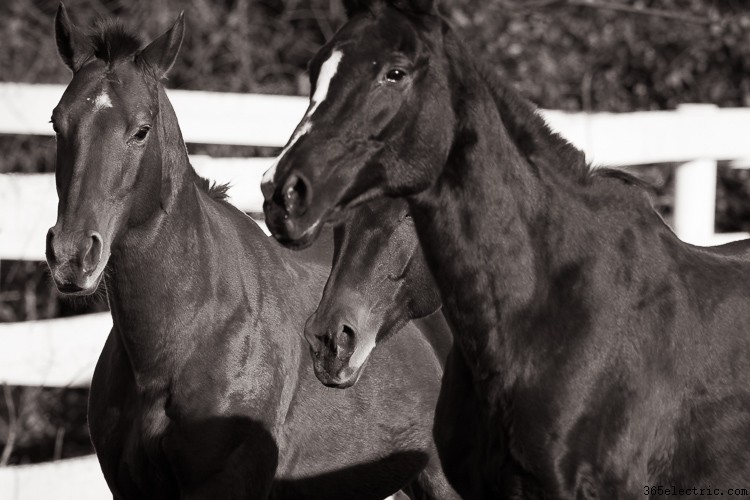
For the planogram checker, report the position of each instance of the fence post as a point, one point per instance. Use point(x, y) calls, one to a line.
point(695, 192)
point(695, 201)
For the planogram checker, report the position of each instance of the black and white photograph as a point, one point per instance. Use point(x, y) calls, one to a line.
point(374, 249)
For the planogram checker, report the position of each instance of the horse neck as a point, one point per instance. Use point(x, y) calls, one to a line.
point(177, 174)
point(163, 271)
point(487, 223)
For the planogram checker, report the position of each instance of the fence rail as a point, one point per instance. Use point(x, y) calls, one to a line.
point(63, 352)
point(29, 201)
point(693, 131)
point(73, 478)
point(698, 135)
point(205, 117)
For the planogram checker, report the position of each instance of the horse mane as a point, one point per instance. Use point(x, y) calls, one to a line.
point(528, 130)
point(215, 190)
point(112, 42)
point(535, 139)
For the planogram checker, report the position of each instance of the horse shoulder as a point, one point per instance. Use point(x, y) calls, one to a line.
point(474, 466)
point(113, 424)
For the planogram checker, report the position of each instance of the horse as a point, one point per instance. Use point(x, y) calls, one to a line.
point(380, 280)
point(203, 389)
point(379, 284)
point(607, 357)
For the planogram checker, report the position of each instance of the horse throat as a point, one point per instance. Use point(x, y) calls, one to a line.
point(176, 173)
point(154, 272)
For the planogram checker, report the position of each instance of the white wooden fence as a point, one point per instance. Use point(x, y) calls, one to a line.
point(62, 352)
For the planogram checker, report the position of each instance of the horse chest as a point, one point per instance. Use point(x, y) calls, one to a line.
point(172, 453)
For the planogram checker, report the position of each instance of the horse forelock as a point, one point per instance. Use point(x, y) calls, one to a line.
point(112, 42)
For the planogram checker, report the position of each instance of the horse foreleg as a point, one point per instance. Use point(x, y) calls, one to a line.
point(455, 429)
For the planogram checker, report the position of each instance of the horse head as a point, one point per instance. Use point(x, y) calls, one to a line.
point(379, 281)
point(109, 145)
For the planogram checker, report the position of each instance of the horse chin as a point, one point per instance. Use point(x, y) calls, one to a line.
point(73, 285)
point(339, 383)
point(293, 233)
point(336, 378)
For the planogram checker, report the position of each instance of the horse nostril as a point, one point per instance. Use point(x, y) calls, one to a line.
point(317, 340)
point(346, 340)
point(296, 194)
point(93, 253)
point(326, 341)
point(50, 250)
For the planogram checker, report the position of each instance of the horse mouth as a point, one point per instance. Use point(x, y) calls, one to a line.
point(77, 287)
point(71, 289)
point(300, 242)
point(336, 382)
point(291, 232)
point(331, 374)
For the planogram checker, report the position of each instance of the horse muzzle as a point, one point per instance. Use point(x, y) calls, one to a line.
point(333, 351)
point(75, 260)
point(333, 371)
point(289, 214)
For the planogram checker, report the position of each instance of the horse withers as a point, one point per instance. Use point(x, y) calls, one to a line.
point(203, 389)
point(606, 354)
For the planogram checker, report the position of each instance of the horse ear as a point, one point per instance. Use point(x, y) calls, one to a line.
point(162, 52)
point(72, 45)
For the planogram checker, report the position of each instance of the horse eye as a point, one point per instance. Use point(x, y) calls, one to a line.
point(395, 75)
point(141, 134)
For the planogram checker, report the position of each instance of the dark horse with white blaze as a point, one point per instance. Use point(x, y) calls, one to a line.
point(607, 356)
point(203, 389)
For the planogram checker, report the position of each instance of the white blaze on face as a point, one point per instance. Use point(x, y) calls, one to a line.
point(102, 101)
point(327, 72)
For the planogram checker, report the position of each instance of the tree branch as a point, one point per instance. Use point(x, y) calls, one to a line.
point(12, 426)
point(647, 11)
point(605, 5)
